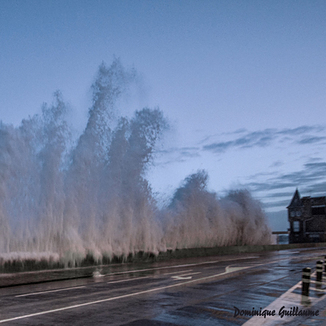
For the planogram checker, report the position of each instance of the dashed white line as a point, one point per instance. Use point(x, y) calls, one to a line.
point(58, 290)
point(190, 274)
point(189, 270)
point(129, 279)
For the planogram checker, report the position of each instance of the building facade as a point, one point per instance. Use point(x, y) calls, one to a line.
point(307, 218)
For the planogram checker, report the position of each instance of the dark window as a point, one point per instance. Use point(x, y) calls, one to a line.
point(318, 210)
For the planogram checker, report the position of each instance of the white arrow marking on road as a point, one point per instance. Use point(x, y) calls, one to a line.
point(184, 276)
point(229, 269)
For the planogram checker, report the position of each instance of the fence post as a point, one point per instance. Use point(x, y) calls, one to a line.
point(306, 281)
point(319, 273)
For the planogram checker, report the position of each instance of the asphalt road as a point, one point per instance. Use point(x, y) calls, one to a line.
point(202, 291)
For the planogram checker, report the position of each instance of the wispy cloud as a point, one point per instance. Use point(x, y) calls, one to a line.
point(311, 180)
point(311, 174)
point(177, 154)
point(276, 164)
point(311, 140)
point(303, 135)
point(301, 130)
point(250, 139)
point(279, 204)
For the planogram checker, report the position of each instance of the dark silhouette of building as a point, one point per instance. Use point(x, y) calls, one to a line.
point(307, 218)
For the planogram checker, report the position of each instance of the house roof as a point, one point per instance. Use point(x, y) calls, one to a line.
point(296, 200)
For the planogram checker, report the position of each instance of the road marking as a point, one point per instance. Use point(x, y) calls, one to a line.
point(319, 290)
point(229, 269)
point(190, 274)
point(129, 279)
point(35, 293)
point(316, 282)
point(110, 299)
point(184, 276)
point(189, 270)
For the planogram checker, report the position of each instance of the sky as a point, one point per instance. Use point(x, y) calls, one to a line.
point(242, 83)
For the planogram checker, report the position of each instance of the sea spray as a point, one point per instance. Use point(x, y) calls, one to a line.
point(198, 218)
point(68, 199)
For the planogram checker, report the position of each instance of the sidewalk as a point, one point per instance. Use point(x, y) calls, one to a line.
point(317, 297)
point(319, 320)
point(293, 301)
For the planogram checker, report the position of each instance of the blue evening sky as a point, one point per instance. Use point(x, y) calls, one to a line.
point(241, 82)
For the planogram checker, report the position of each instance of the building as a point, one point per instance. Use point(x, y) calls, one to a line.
point(307, 218)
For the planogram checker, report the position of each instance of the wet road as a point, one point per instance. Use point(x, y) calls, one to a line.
point(202, 291)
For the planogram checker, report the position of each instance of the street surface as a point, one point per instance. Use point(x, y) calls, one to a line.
point(201, 291)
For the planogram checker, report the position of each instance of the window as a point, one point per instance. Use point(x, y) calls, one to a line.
point(296, 226)
point(318, 210)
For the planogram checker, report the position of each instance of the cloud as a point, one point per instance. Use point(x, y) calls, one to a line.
point(281, 194)
point(319, 188)
point(176, 154)
point(311, 174)
point(311, 181)
point(311, 140)
point(303, 135)
point(301, 130)
point(219, 147)
point(250, 139)
point(279, 204)
point(277, 164)
point(189, 151)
